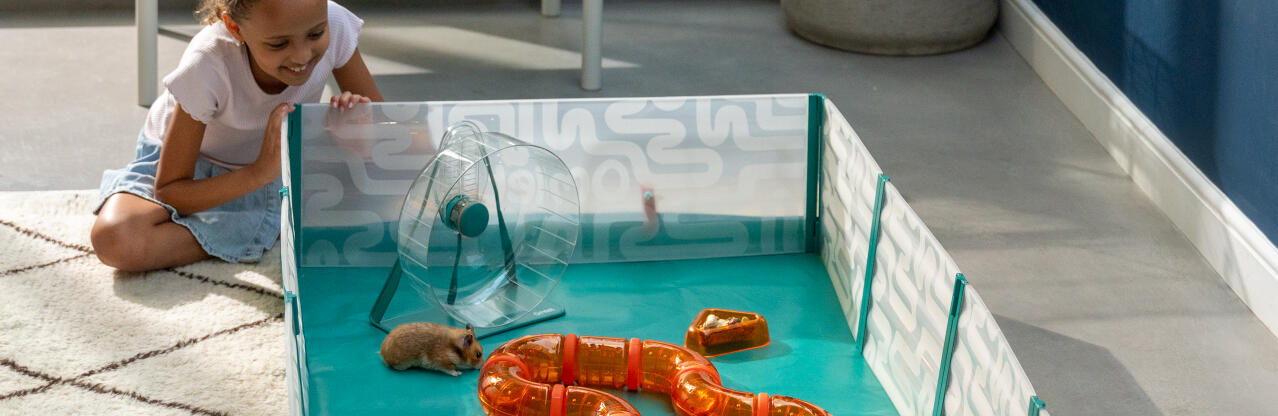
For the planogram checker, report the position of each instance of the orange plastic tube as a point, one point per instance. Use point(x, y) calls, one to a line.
point(533, 375)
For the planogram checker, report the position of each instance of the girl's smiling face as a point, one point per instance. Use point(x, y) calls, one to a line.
point(285, 39)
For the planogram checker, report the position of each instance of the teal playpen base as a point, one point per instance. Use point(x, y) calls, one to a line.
point(765, 203)
point(812, 355)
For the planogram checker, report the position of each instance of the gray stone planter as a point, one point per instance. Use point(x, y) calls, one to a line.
point(892, 27)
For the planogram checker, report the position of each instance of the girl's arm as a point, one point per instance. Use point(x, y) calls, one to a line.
point(174, 183)
point(354, 78)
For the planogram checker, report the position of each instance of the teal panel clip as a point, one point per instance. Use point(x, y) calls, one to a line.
point(869, 263)
point(816, 129)
point(291, 299)
point(1036, 405)
point(951, 335)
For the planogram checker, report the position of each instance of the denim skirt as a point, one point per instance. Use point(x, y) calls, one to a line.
point(238, 231)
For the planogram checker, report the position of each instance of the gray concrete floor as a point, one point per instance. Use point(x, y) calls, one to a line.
point(1108, 306)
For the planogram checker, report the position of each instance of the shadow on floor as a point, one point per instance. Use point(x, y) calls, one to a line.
point(1076, 369)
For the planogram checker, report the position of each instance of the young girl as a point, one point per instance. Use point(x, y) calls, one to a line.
point(206, 177)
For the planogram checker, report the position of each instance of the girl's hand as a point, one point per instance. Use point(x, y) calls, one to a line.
point(350, 125)
point(347, 100)
point(267, 164)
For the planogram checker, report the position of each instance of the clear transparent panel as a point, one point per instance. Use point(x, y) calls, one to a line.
point(659, 178)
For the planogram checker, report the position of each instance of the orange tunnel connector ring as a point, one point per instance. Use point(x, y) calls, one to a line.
point(632, 364)
point(762, 403)
point(569, 373)
point(557, 405)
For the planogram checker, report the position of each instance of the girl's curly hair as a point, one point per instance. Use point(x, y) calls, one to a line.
point(210, 11)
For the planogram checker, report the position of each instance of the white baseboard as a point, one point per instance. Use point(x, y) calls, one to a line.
point(1229, 241)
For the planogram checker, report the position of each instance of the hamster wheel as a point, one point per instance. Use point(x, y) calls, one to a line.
point(486, 231)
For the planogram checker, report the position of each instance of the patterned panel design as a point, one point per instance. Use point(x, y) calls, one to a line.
point(728, 173)
point(985, 376)
point(848, 179)
point(911, 290)
point(907, 319)
point(913, 283)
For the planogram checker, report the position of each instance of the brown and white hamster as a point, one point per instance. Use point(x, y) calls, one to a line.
point(433, 347)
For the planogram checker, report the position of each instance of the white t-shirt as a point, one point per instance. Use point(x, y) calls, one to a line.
point(214, 84)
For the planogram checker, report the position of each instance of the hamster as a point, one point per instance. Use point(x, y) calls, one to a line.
point(433, 347)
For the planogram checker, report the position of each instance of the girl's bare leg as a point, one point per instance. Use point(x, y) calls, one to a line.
point(134, 234)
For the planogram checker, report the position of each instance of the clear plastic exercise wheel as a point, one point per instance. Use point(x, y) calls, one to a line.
point(487, 229)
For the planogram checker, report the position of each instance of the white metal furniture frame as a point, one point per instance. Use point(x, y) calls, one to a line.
point(147, 19)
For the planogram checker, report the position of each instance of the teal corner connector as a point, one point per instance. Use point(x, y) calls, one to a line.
point(951, 335)
point(1036, 405)
point(816, 129)
point(869, 263)
point(295, 176)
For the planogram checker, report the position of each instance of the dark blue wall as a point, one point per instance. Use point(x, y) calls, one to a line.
point(1205, 72)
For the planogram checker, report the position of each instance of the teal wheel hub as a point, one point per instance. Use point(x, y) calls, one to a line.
point(466, 216)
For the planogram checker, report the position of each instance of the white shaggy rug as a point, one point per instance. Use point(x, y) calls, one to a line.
point(78, 337)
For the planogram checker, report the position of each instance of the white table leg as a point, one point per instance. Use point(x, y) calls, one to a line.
point(550, 8)
point(147, 20)
point(591, 56)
